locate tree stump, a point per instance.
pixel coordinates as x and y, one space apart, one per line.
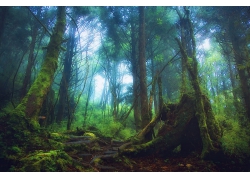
180 128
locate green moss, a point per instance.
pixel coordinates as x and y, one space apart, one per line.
56 145
97 161
41 161
58 137
91 135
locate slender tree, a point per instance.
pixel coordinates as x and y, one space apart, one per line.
31 58
145 117
241 60
135 73
67 69
3 11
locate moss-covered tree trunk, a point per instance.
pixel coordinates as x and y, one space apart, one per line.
192 66
31 104
181 127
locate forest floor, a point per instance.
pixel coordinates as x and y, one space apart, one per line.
100 158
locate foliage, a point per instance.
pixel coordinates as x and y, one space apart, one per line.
96 123
126 133
236 139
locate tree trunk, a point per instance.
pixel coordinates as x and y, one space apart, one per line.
31 58
134 64
201 115
160 93
3 15
239 59
180 127
145 117
90 90
64 95
31 104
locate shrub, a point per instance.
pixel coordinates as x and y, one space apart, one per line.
235 140
126 133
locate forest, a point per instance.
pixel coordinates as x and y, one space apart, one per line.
124 88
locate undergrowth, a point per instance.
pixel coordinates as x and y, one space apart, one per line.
97 122
236 138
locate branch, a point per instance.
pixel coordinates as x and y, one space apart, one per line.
39 21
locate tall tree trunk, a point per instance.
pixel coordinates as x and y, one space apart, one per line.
160 93
203 119
233 83
31 58
135 73
4 12
145 117
114 89
152 94
85 114
31 104
239 59
64 95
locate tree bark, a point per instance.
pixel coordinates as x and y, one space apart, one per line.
202 117
31 58
64 95
3 15
181 127
239 59
135 73
145 117
31 104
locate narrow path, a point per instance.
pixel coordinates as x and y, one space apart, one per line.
91 151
